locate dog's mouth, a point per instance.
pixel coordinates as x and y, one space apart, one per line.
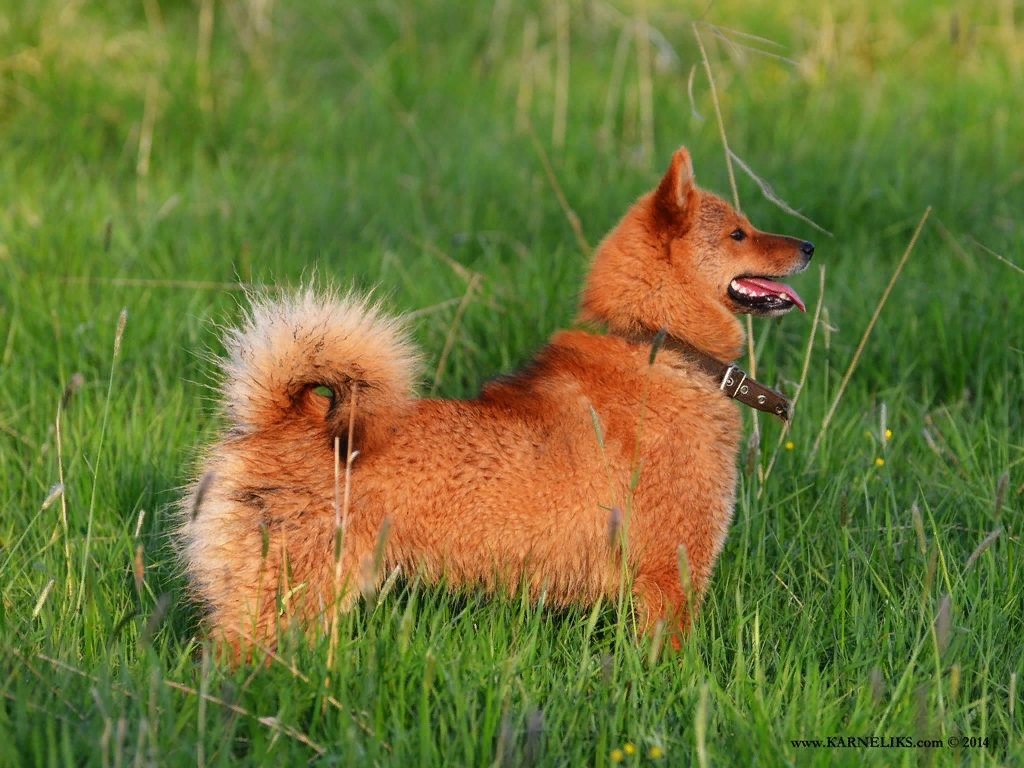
762 296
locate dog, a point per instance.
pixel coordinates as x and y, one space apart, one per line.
608 462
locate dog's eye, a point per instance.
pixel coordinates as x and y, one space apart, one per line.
738 234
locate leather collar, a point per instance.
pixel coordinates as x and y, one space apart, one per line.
732 380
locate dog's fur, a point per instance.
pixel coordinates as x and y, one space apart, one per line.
550 475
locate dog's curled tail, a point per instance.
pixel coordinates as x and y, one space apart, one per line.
299 359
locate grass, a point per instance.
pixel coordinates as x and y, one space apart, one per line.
156 155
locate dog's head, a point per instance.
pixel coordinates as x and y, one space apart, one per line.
685 260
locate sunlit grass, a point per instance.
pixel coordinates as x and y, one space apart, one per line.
871 583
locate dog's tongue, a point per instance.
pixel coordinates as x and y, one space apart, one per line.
762 285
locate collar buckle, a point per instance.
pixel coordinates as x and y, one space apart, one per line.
735 379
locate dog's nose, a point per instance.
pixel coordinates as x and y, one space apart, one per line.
807 248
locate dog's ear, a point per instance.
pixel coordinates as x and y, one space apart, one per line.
676 196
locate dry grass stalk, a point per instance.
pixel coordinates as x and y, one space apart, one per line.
561 105
645 84
450 338
867 332
803 376
524 96
570 214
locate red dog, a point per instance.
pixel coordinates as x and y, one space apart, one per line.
607 446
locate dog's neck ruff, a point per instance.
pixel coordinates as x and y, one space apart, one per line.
732 380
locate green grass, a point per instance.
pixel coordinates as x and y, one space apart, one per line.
389 144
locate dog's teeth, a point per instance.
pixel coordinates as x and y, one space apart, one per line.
744 290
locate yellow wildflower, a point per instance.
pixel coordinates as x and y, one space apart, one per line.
789 445
879 461
616 755
628 748
654 752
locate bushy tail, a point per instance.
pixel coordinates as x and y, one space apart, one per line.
299 358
